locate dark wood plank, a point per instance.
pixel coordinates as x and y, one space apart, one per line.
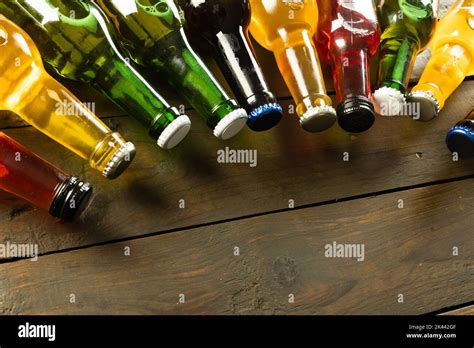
468 310
407 251
292 165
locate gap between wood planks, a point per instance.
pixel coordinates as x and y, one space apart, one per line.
239 218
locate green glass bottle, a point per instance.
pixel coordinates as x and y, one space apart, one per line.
75 42
152 34
407 26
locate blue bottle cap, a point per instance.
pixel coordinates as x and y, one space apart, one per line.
265 117
460 139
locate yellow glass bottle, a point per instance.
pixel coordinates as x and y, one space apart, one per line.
29 91
286 28
452 50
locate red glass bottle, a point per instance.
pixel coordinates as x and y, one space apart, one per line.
25 175
348 36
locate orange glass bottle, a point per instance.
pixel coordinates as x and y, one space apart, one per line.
452 59
29 91
286 28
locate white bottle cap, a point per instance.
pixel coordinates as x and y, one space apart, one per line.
388 101
175 132
231 124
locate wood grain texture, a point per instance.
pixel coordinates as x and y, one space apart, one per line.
407 251
292 165
468 310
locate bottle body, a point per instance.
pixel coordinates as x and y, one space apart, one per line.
286 29
452 59
407 28
75 43
26 89
25 175
223 24
348 36
151 34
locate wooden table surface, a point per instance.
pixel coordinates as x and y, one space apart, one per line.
251 240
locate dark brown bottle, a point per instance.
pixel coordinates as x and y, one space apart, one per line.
224 26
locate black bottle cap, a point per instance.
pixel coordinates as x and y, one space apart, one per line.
263 111
356 114
71 199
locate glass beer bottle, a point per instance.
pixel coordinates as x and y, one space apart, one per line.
460 138
407 27
223 24
348 36
151 33
452 59
25 175
286 28
28 90
76 43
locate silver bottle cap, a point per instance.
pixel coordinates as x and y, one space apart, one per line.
318 118
428 105
120 161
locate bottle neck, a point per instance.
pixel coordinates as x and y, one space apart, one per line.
177 62
241 70
298 62
351 74
445 71
397 58
55 111
112 156
128 89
